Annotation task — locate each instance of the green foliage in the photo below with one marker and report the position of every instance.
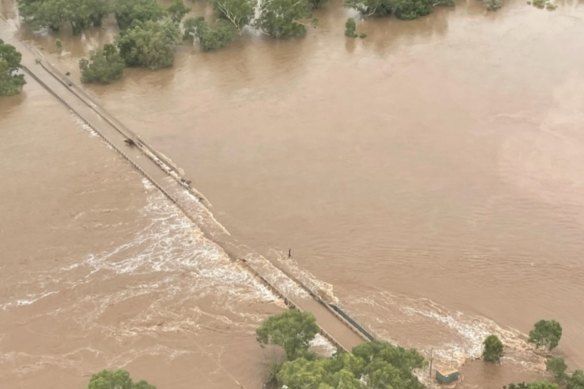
(402, 9)
(558, 367)
(177, 11)
(380, 365)
(493, 5)
(411, 9)
(546, 333)
(119, 379)
(292, 330)
(11, 80)
(238, 12)
(210, 38)
(54, 14)
(533, 385)
(493, 349)
(283, 18)
(129, 12)
(351, 28)
(371, 7)
(576, 381)
(539, 3)
(316, 4)
(149, 44)
(104, 66)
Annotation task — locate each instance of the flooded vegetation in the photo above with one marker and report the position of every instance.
(427, 179)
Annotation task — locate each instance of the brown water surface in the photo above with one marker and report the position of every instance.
(431, 173)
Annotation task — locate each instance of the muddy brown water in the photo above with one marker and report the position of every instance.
(428, 176)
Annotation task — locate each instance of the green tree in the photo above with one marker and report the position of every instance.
(283, 18)
(351, 28)
(118, 379)
(11, 79)
(238, 12)
(210, 38)
(387, 366)
(129, 12)
(546, 333)
(576, 381)
(103, 66)
(558, 367)
(177, 11)
(371, 7)
(316, 4)
(149, 44)
(302, 373)
(292, 330)
(493, 349)
(54, 14)
(411, 9)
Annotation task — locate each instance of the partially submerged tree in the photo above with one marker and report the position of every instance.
(292, 330)
(11, 78)
(493, 349)
(210, 38)
(103, 66)
(558, 367)
(129, 12)
(493, 5)
(118, 379)
(411, 9)
(576, 381)
(54, 14)
(546, 333)
(177, 11)
(371, 7)
(239, 12)
(149, 44)
(283, 18)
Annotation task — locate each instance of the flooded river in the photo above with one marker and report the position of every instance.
(428, 176)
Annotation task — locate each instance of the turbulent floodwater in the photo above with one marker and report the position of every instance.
(429, 176)
(100, 270)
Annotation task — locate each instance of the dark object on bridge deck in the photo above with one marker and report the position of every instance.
(353, 322)
(129, 142)
(447, 377)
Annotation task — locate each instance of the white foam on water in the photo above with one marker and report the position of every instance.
(465, 333)
(322, 346)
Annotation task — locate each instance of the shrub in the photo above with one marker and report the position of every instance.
(493, 349)
(103, 66)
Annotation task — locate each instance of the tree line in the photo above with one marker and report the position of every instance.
(545, 334)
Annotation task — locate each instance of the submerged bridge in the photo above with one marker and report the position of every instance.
(335, 324)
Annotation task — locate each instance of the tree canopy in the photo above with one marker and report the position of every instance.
(576, 381)
(149, 44)
(546, 333)
(239, 12)
(402, 9)
(283, 18)
(11, 78)
(103, 66)
(558, 367)
(54, 14)
(118, 379)
(493, 349)
(210, 38)
(292, 330)
(129, 12)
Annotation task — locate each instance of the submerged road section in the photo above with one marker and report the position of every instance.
(335, 324)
